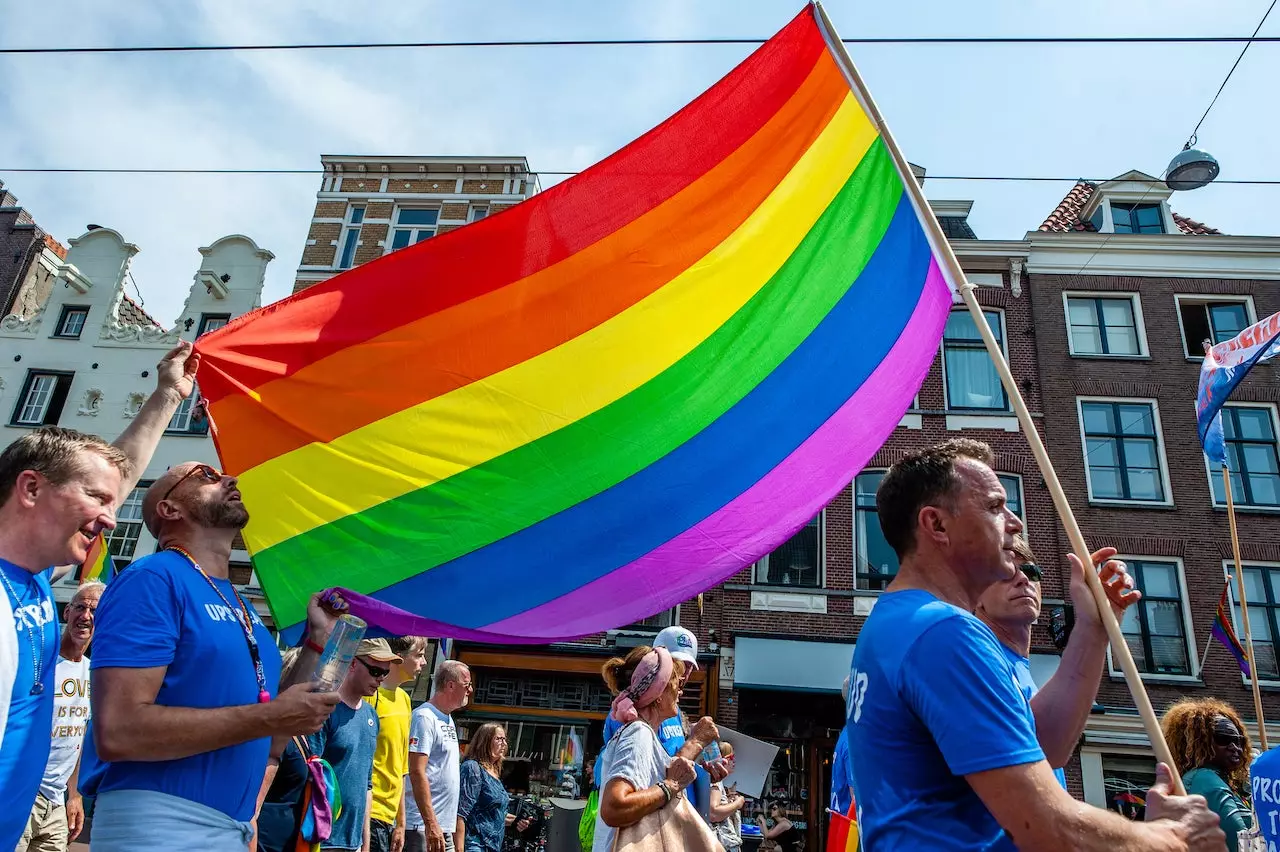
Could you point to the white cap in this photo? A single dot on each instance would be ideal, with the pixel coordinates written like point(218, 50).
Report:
point(680, 642)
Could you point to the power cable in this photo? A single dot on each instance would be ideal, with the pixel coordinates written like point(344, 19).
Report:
point(629, 42)
point(1192, 140)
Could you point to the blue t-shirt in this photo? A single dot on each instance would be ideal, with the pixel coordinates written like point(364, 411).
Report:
point(1026, 683)
point(162, 612)
point(841, 779)
point(348, 740)
point(932, 699)
point(27, 603)
point(1265, 775)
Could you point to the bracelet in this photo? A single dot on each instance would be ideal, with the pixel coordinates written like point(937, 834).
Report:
point(311, 645)
point(666, 791)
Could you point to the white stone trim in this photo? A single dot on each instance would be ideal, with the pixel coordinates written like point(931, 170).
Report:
point(789, 602)
point(1154, 255)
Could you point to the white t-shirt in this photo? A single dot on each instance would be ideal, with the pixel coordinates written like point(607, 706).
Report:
point(70, 716)
point(432, 733)
point(634, 755)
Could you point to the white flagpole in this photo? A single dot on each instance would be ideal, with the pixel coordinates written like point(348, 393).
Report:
point(1119, 649)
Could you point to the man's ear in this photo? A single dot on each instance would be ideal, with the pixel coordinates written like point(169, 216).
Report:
point(168, 511)
point(27, 487)
point(932, 523)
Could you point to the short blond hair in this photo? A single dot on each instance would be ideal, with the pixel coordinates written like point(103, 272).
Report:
point(54, 453)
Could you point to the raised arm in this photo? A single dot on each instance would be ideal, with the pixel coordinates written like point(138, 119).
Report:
point(175, 381)
point(1062, 707)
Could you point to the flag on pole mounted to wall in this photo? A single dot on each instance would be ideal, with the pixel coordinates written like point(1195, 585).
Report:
point(97, 563)
point(1226, 634)
point(594, 405)
point(1225, 366)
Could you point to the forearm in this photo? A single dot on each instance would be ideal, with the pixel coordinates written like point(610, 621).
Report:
point(422, 796)
point(1083, 828)
point(368, 820)
point(618, 808)
point(141, 437)
point(1062, 707)
point(73, 783)
point(152, 732)
point(268, 777)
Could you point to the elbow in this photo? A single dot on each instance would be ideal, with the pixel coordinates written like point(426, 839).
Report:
point(111, 742)
point(610, 812)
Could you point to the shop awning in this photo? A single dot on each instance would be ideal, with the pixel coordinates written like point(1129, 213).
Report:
point(791, 665)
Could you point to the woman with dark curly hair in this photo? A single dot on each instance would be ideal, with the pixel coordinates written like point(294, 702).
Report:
point(1209, 742)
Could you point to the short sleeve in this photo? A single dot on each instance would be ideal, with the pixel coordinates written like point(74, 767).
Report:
point(958, 682)
point(468, 788)
point(633, 758)
point(421, 732)
point(138, 621)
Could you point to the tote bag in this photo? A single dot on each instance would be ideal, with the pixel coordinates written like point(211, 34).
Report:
point(675, 828)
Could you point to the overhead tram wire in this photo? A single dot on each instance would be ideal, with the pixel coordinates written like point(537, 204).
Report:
point(629, 42)
point(544, 172)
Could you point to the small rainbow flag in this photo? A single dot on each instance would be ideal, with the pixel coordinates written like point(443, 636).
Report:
point(842, 832)
point(1226, 634)
point(97, 563)
point(594, 405)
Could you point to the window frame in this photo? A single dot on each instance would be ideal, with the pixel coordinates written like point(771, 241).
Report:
point(413, 230)
point(1004, 349)
point(59, 332)
point(1188, 625)
point(1160, 452)
point(475, 208)
point(1272, 609)
point(1251, 316)
point(203, 326)
point(1135, 300)
point(187, 407)
point(760, 570)
point(141, 490)
point(51, 413)
point(1133, 207)
point(1215, 475)
point(349, 237)
point(1022, 494)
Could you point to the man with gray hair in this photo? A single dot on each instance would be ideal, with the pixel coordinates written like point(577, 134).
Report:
point(432, 817)
point(59, 490)
point(58, 815)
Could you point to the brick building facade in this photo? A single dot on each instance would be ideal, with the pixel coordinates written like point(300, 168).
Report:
point(29, 259)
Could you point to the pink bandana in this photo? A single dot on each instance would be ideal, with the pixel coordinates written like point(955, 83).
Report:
point(647, 683)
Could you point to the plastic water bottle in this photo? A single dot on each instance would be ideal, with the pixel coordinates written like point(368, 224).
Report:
point(338, 652)
point(710, 754)
point(1251, 840)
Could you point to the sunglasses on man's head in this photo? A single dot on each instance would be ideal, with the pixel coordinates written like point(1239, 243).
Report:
point(1227, 739)
point(1032, 571)
point(204, 471)
point(377, 671)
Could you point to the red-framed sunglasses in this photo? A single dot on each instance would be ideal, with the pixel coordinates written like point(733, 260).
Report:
point(204, 471)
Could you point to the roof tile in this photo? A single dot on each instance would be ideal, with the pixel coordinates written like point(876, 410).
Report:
point(1066, 216)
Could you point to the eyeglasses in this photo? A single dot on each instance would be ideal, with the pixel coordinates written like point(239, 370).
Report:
point(82, 607)
point(1228, 739)
point(1032, 571)
point(207, 473)
point(376, 671)
point(499, 739)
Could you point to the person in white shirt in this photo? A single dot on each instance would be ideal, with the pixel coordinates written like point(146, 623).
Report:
point(58, 815)
point(432, 810)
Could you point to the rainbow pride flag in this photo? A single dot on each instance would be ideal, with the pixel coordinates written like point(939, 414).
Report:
point(97, 563)
point(1226, 634)
point(606, 399)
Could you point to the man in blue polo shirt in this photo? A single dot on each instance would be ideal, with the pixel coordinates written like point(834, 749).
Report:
point(59, 489)
point(1011, 606)
point(943, 743)
point(184, 680)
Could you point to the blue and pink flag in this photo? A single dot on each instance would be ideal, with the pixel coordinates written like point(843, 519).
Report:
point(1225, 366)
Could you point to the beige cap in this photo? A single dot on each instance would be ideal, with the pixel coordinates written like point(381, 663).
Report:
point(377, 649)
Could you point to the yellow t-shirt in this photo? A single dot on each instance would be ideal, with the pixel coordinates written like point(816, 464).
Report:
point(391, 758)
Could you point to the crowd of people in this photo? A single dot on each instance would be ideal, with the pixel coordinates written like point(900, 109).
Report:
point(189, 727)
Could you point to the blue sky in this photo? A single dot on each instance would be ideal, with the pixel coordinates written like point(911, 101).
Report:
point(1093, 111)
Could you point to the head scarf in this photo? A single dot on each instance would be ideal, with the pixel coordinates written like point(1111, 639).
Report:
point(648, 682)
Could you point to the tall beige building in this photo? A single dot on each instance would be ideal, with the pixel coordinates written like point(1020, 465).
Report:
point(369, 206)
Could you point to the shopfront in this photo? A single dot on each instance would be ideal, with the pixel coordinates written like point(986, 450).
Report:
point(788, 694)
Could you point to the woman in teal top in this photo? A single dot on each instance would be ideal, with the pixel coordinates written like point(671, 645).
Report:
point(1212, 749)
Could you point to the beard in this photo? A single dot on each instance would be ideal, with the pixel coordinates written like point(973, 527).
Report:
point(223, 516)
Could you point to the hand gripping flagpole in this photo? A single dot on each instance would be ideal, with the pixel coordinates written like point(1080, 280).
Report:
point(1244, 610)
point(1119, 649)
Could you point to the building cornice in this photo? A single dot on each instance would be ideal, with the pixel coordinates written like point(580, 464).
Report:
point(1154, 255)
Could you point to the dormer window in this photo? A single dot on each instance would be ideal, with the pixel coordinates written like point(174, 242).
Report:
point(1137, 218)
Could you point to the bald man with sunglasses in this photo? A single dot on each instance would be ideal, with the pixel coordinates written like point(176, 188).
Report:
point(1011, 606)
point(184, 680)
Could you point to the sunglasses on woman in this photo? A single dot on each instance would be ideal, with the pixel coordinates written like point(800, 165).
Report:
point(1229, 739)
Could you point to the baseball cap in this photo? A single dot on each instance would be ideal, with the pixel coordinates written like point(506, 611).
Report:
point(377, 649)
point(680, 642)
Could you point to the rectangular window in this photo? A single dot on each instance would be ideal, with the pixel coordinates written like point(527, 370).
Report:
point(350, 237)
point(1013, 493)
point(42, 397)
point(123, 540)
point(209, 322)
point(972, 381)
point(1137, 218)
point(1262, 586)
point(797, 561)
point(477, 212)
point(71, 322)
point(1155, 627)
point(1126, 779)
point(1122, 451)
point(413, 225)
point(1253, 456)
point(875, 561)
point(1214, 320)
point(189, 419)
point(1102, 326)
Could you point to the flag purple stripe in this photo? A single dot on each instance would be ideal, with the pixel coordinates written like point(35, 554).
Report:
point(1232, 644)
point(837, 451)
